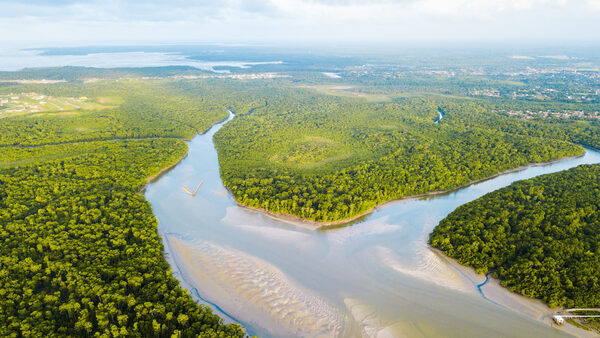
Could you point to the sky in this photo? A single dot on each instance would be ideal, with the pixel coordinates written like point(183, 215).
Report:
point(36, 23)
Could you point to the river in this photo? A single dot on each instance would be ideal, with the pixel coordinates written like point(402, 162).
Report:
point(374, 277)
point(440, 116)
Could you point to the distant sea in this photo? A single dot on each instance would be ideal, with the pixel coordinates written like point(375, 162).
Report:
point(14, 60)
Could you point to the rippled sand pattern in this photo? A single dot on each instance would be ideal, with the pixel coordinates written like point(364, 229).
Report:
point(365, 316)
point(428, 267)
point(252, 290)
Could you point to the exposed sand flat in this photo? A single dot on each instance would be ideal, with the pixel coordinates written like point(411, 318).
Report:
point(277, 235)
point(372, 326)
point(254, 291)
point(494, 292)
point(429, 267)
point(239, 219)
point(378, 226)
point(195, 296)
point(364, 315)
point(284, 218)
point(369, 323)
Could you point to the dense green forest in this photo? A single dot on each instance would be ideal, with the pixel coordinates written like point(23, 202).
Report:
point(145, 109)
point(329, 158)
point(80, 252)
point(539, 236)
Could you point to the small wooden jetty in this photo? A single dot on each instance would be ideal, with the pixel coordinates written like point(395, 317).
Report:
point(188, 191)
point(559, 318)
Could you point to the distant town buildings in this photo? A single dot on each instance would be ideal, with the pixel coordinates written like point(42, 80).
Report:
point(565, 114)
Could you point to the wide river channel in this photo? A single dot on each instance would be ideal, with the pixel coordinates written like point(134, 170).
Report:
point(373, 277)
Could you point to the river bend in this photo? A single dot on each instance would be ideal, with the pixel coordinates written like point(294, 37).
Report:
point(375, 277)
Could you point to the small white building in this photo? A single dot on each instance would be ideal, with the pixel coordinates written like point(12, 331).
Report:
point(558, 319)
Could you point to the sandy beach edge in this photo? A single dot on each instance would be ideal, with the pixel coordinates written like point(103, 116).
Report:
point(171, 254)
point(494, 292)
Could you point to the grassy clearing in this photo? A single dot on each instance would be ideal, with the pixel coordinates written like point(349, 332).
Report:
point(311, 152)
point(110, 100)
point(23, 104)
point(348, 91)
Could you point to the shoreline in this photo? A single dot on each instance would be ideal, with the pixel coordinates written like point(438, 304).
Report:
point(492, 291)
point(251, 292)
point(314, 225)
point(164, 170)
point(171, 256)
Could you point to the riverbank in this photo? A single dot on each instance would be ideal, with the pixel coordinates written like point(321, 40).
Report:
point(253, 291)
point(170, 257)
point(314, 225)
point(166, 169)
point(163, 171)
point(494, 292)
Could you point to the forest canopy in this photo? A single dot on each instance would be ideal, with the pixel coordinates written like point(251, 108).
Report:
point(80, 254)
point(539, 236)
point(80, 251)
point(330, 158)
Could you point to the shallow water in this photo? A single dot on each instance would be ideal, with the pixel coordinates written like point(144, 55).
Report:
point(12, 60)
point(375, 277)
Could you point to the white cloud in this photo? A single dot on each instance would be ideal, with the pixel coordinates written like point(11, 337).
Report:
point(295, 20)
point(594, 4)
point(486, 8)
